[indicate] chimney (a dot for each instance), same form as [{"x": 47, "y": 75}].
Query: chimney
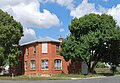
[{"x": 60, "y": 39}]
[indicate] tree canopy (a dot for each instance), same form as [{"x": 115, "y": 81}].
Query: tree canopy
[
  {"x": 91, "y": 39},
  {"x": 10, "y": 34}
]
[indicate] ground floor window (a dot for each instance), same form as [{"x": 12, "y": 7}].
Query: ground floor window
[
  {"x": 26, "y": 65},
  {"x": 57, "y": 64},
  {"x": 45, "y": 64},
  {"x": 32, "y": 65},
  {"x": 73, "y": 65}
]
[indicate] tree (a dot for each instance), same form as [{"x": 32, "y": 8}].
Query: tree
[
  {"x": 10, "y": 34},
  {"x": 1, "y": 54},
  {"x": 88, "y": 37},
  {"x": 112, "y": 55}
]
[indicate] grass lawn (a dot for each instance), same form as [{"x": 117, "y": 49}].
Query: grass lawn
[
  {"x": 100, "y": 72},
  {"x": 24, "y": 77},
  {"x": 56, "y": 77}
]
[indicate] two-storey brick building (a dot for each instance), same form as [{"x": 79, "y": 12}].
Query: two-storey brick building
[{"x": 41, "y": 57}]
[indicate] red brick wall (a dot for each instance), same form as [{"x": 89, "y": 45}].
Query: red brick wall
[{"x": 50, "y": 56}]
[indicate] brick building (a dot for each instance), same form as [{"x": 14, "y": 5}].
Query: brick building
[{"x": 41, "y": 57}]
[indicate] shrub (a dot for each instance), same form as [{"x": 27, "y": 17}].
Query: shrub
[{"x": 101, "y": 65}]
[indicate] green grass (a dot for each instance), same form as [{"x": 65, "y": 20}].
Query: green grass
[
  {"x": 55, "y": 77},
  {"x": 75, "y": 75},
  {"x": 84, "y": 76},
  {"x": 32, "y": 78},
  {"x": 100, "y": 72}
]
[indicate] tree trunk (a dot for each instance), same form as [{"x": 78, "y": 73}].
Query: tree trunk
[
  {"x": 1, "y": 68},
  {"x": 91, "y": 67},
  {"x": 91, "y": 70},
  {"x": 113, "y": 69}
]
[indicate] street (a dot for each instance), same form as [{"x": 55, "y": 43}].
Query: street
[{"x": 114, "y": 79}]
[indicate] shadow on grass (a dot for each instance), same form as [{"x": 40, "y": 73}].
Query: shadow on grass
[
  {"x": 109, "y": 73},
  {"x": 6, "y": 75},
  {"x": 106, "y": 74}
]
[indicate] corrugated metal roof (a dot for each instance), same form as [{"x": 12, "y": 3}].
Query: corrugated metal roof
[{"x": 45, "y": 39}]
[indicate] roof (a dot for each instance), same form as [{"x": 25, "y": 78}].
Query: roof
[{"x": 45, "y": 39}]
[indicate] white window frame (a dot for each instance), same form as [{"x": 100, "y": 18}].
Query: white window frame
[
  {"x": 32, "y": 65},
  {"x": 44, "y": 47},
  {"x": 26, "y": 65},
  {"x": 57, "y": 48},
  {"x": 45, "y": 64},
  {"x": 58, "y": 64},
  {"x": 26, "y": 51}
]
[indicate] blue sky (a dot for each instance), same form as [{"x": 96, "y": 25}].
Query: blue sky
[
  {"x": 41, "y": 18},
  {"x": 64, "y": 16}
]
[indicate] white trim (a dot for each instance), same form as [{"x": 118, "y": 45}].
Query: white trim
[
  {"x": 57, "y": 65},
  {"x": 45, "y": 39},
  {"x": 32, "y": 66},
  {"x": 44, "y": 48},
  {"x": 44, "y": 65}
]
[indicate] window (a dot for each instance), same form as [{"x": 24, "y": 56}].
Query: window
[
  {"x": 22, "y": 53},
  {"x": 44, "y": 48},
  {"x": 73, "y": 65},
  {"x": 58, "y": 64},
  {"x": 34, "y": 49},
  {"x": 32, "y": 65},
  {"x": 26, "y": 65},
  {"x": 57, "y": 48},
  {"x": 45, "y": 64},
  {"x": 26, "y": 51}
]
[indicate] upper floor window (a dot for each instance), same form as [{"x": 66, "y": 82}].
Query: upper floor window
[
  {"x": 44, "y": 48},
  {"x": 22, "y": 53},
  {"x": 32, "y": 65},
  {"x": 58, "y": 64},
  {"x": 27, "y": 51},
  {"x": 57, "y": 48},
  {"x": 45, "y": 64},
  {"x": 34, "y": 51}
]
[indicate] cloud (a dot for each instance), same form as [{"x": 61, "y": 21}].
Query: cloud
[
  {"x": 28, "y": 14},
  {"x": 115, "y": 12},
  {"x": 62, "y": 30},
  {"x": 10, "y": 2},
  {"x": 102, "y": 9},
  {"x": 105, "y": 0},
  {"x": 29, "y": 35},
  {"x": 67, "y": 3},
  {"x": 86, "y": 8},
  {"x": 83, "y": 8}
]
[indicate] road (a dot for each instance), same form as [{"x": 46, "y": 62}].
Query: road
[{"x": 115, "y": 79}]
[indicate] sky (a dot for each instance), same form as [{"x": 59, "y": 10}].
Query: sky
[{"x": 51, "y": 18}]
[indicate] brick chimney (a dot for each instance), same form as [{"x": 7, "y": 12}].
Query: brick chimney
[{"x": 60, "y": 39}]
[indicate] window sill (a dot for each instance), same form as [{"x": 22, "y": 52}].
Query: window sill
[
  {"x": 44, "y": 53},
  {"x": 26, "y": 57},
  {"x": 57, "y": 69},
  {"x": 45, "y": 69},
  {"x": 32, "y": 69},
  {"x": 34, "y": 53}
]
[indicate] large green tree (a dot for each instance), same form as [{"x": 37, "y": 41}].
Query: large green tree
[
  {"x": 89, "y": 38},
  {"x": 10, "y": 34}
]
